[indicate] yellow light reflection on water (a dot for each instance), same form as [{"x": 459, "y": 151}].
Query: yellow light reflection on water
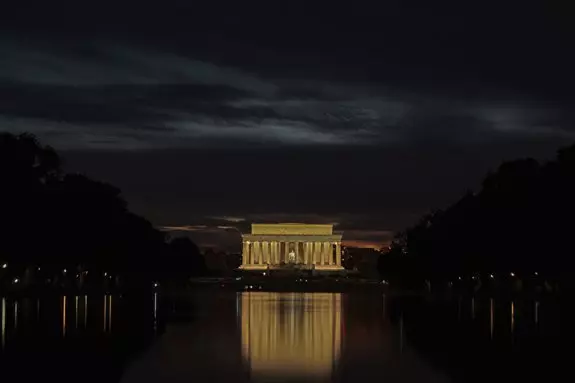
[
  {"x": 155, "y": 306},
  {"x": 105, "y": 313},
  {"x": 3, "y": 322},
  {"x": 156, "y": 311},
  {"x": 290, "y": 333},
  {"x": 64, "y": 303},
  {"x": 15, "y": 315},
  {"x": 401, "y": 333},
  {"x": 491, "y": 317},
  {"x": 512, "y": 317},
  {"x": 76, "y": 309},
  {"x": 110, "y": 312},
  {"x": 85, "y": 311}
]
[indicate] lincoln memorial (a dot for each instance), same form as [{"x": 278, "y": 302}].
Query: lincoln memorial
[{"x": 295, "y": 245}]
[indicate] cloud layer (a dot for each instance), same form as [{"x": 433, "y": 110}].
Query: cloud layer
[
  {"x": 361, "y": 114},
  {"x": 124, "y": 97}
]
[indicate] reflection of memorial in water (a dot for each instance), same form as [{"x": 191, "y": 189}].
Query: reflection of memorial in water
[{"x": 291, "y": 334}]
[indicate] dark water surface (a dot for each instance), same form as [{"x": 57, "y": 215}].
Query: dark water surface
[
  {"x": 215, "y": 336},
  {"x": 87, "y": 338}
]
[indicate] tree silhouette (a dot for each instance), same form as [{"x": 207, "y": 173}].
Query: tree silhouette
[
  {"x": 520, "y": 222},
  {"x": 69, "y": 226},
  {"x": 184, "y": 260}
]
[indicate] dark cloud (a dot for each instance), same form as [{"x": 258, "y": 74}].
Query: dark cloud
[
  {"x": 361, "y": 115},
  {"x": 133, "y": 105}
]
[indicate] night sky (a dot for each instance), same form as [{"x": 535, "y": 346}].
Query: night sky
[{"x": 365, "y": 115}]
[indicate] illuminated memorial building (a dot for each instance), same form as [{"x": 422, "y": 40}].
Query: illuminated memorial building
[{"x": 292, "y": 246}]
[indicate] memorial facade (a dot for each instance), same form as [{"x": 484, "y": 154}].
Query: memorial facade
[{"x": 304, "y": 246}]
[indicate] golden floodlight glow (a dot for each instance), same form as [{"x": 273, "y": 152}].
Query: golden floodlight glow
[{"x": 303, "y": 246}]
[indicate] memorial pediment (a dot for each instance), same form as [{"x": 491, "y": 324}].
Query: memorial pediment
[{"x": 291, "y": 229}]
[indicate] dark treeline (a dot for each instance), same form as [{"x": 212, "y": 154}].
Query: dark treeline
[
  {"x": 517, "y": 229},
  {"x": 67, "y": 230}
]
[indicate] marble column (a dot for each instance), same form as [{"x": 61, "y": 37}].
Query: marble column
[
  {"x": 297, "y": 252},
  {"x": 312, "y": 253},
  {"x": 305, "y": 253},
  {"x": 278, "y": 252},
  {"x": 338, "y": 253},
  {"x": 331, "y": 252},
  {"x": 265, "y": 253},
  {"x": 248, "y": 259},
  {"x": 245, "y": 253},
  {"x": 326, "y": 247},
  {"x": 316, "y": 253},
  {"x": 257, "y": 253}
]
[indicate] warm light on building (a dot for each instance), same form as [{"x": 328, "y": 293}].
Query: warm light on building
[{"x": 297, "y": 245}]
